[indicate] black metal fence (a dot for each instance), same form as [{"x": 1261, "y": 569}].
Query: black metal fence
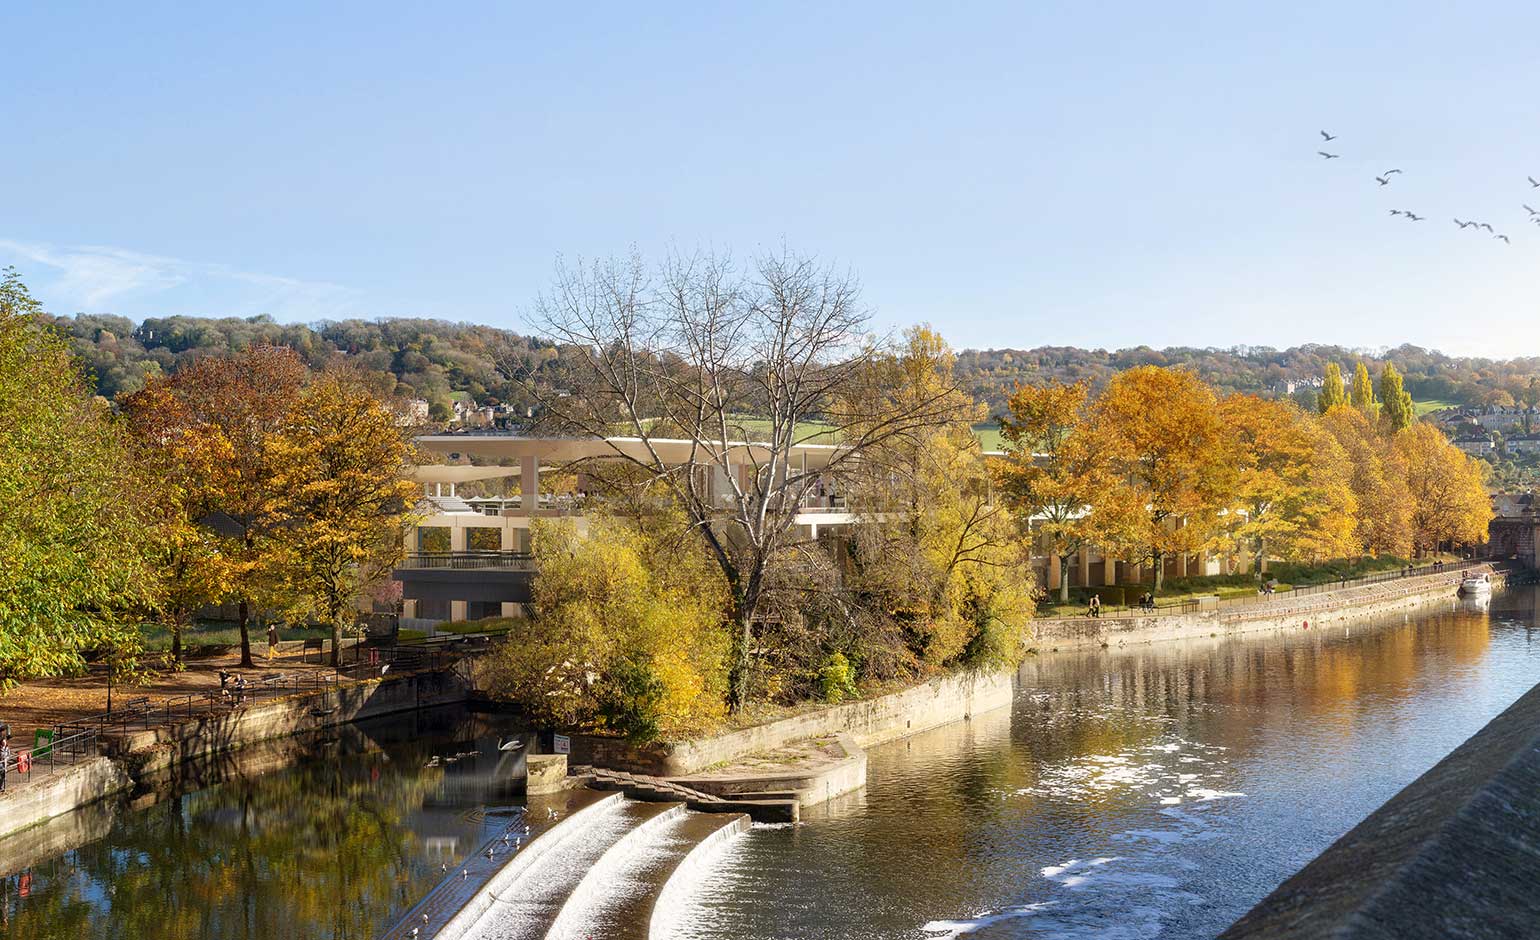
[
  {"x": 1264, "y": 598},
  {"x": 469, "y": 560}
]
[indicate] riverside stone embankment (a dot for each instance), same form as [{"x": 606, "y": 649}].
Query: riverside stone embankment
[
  {"x": 959, "y": 696},
  {"x": 133, "y": 756},
  {"x": 1278, "y": 612}
]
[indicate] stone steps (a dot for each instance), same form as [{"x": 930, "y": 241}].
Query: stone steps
[{"x": 617, "y": 897}]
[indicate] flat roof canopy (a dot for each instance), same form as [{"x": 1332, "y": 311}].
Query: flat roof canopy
[
  {"x": 444, "y": 473},
  {"x": 569, "y": 449}
]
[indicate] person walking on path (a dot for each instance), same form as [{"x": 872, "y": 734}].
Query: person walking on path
[
  {"x": 5, "y": 758},
  {"x": 1096, "y": 605},
  {"x": 272, "y": 640}
]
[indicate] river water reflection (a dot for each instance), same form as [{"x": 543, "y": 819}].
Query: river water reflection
[
  {"x": 1152, "y": 792},
  {"x": 324, "y": 837}
]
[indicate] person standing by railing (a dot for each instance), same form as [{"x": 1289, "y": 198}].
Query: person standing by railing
[{"x": 5, "y": 757}]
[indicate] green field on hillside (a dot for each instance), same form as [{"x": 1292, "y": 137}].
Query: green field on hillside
[{"x": 1432, "y": 404}]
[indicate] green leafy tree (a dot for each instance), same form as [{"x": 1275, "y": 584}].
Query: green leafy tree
[
  {"x": 1363, "y": 393},
  {"x": 1332, "y": 393},
  {"x": 75, "y": 530},
  {"x": 1399, "y": 412}
]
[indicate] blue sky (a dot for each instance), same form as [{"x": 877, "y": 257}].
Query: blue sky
[{"x": 1016, "y": 174}]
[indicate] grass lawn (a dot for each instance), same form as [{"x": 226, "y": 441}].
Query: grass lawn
[
  {"x": 223, "y": 633},
  {"x": 1433, "y": 404}
]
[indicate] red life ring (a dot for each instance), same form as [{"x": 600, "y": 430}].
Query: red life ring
[{"x": 23, "y": 762}]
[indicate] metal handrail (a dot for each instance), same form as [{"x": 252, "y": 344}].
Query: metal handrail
[{"x": 510, "y": 561}]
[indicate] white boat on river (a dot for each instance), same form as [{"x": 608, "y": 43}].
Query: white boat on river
[{"x": 1476, "y": 585}]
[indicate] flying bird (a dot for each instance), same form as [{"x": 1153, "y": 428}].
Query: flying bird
[
  {"x": 1485, "y": 225},
  {"x": 1329, "y": 156},
  {"x": 1415, "y": 218},
  {"x": 1504, "y": 238},
  {"x": 1388, "y": 172},
  {"x": 1463, "y": 224},
  {"x": 1398, "y": 212},
  {"x": 1529, "y": 210},
  {"x": 1382, "y": 181},
  {"x": 1532, "y": 183},
  {"x": 1328, "y": 136}
]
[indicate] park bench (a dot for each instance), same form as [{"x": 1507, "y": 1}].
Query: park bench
[{"x": 315, "y": 643}]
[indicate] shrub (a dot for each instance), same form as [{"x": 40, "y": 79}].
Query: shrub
[{"x": 836, "y": 679}]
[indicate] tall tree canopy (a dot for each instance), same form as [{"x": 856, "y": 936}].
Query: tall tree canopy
[
  {"x": 1171, "y": 461},
  {"x": 1292, "y": 490},
  {"x": 340, "y": 498},
  {"x": 1396, "y": 401},
  {"x": 1448, "y": 496},
  {"x": 1363, "y": 393},
  {"x": 1332, "y": 393},
  {"x": 76, "y": 531},
  {"x": 1054, "y": 469}
]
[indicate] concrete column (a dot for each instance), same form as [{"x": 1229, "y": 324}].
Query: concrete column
[
  {"x": 506, "y": 538},
  {"x": 529, "y": 483},
  {"x": 510, "y": 609},
  {"x": 408, "y": 607},
  {"x": 456, "y": 538},
  {"x": 457, "y": 610},
  {"x": 1109, "y": 568},
  {"x": 1053, "y": 572},
  {"x": 1083, "y": 569}
]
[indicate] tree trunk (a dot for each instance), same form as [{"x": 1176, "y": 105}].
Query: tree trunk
[
  {"x": 1157, "y": 570},
  {"x": 336, "y": 639},
  {"x": 738, "y": 673},
  {"x": 1261, "y": 555},
  {"x": 176, "y": 640},
  {"x": 245, "y": 619},
  {"x": 1064, "y": 579}
]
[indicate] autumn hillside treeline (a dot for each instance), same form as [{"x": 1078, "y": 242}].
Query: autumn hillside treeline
[
  {"x": 1158, "y": 463},
  {"x": 437, "y": 359}
]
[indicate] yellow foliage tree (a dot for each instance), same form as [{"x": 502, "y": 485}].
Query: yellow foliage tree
[
  {"x": 1054, "y": 468},
  {"x": 1292, "y": 492},
  {"x": 935, "y": 549},
  {"x": 1382, "y": 524},
  {"x": 1449, "y": 498},
  {"x": 1170, "y": 462},
  {"x": 340, "y": 498},
  {"x": 628, "y": 633}
]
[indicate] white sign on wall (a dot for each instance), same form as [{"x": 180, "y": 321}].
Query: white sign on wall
[{"x": 563, "y": 744}]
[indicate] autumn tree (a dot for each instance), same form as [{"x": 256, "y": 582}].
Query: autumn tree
[
  {"x": 1399, "y": 412},
  {"x": 232, "y": 407},
  {"x": 627, "y": 633},
  {"x": 1170, "y": 461},
  {"x": 1332, "y": 394},
  {"x": 75, "y": 533},
  {"x": 1363, "y": 393},
  {"x": 1054, "y": 469},
  {"x": 1448, "y": 494},
  {"x": 182, "y": 459},
  {"x": 339, "y": 499},
  {"x": 1377, "y": 476},
  {"x": 738, "y": 364},
  {"x": 1293, "y": 496},
  {"x": 933, "y": 546}
]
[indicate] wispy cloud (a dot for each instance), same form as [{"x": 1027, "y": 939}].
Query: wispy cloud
[{"x": 101, "y": 278}]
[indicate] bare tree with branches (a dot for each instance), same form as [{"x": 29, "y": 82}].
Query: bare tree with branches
[{"x": 710, "y": 380}]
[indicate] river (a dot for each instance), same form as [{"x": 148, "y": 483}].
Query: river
[{"x": 1155, "y": 791}]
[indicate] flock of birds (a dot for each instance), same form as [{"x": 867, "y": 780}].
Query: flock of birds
[{"x": 1383, "y": 179}]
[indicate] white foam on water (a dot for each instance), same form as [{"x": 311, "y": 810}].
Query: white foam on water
[{"x": 948, "y": 929}]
